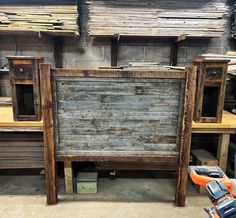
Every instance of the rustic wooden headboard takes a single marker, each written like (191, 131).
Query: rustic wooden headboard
(116, 115)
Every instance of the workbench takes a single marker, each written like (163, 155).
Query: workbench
(21, 143)
(224, 129)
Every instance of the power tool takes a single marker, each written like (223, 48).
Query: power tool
(219, 189)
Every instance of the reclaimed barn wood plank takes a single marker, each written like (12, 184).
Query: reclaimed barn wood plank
(184, 149)
(48, 136)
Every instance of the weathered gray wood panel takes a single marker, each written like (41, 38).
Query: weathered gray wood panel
(117, 115)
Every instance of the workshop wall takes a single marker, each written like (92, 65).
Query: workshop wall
(88, 52)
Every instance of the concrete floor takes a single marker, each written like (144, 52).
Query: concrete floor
(23, 197)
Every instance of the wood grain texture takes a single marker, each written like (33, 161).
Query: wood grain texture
(48, 127)
(116, 115)
(119, 73)
(184, 150)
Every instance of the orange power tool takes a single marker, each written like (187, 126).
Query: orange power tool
(219, 189)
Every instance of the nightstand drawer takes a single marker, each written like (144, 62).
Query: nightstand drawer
(214, 73)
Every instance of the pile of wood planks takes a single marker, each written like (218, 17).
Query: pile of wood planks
(54, 20)
(21, 150)
(202, 18)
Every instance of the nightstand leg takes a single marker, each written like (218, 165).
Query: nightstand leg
(222, 151)
(68, 177)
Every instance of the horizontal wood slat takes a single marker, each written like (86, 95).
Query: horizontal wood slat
(21, 150)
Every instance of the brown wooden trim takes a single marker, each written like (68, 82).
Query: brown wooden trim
(120, 158)
(48, 136)
(186, 136)
(209, 120)
(118, 73)
(21, 129)
(24, 82)
(137, 166)
(214, 130)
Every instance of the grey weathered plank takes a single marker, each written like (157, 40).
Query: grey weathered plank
(117, 114)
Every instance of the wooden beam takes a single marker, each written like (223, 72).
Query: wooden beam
(235, 166)
(174, 49)
(114, 50)
(222, 151)
(185, 143)
(174, 52)
(68, 177)
(48, 136)
(58, 51)
(181, 37)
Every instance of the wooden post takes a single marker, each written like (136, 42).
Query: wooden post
(68, 177)
(185, 145)
(222, 151)
(174, 53)
(174, 49)
(58, 51)
(114, 50)
(48, 136)
(235, 166)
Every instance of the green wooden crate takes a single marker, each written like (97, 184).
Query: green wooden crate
(87, 183)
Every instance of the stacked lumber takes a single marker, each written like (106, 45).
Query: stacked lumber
(54, 20)
(202, 18)
(38, 2)
(21, 150)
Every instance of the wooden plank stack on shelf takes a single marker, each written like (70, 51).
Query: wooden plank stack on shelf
(38, 2)
(203, 18)
(53, 20)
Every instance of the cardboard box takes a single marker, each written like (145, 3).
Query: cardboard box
(202, 157)
(87, 183)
